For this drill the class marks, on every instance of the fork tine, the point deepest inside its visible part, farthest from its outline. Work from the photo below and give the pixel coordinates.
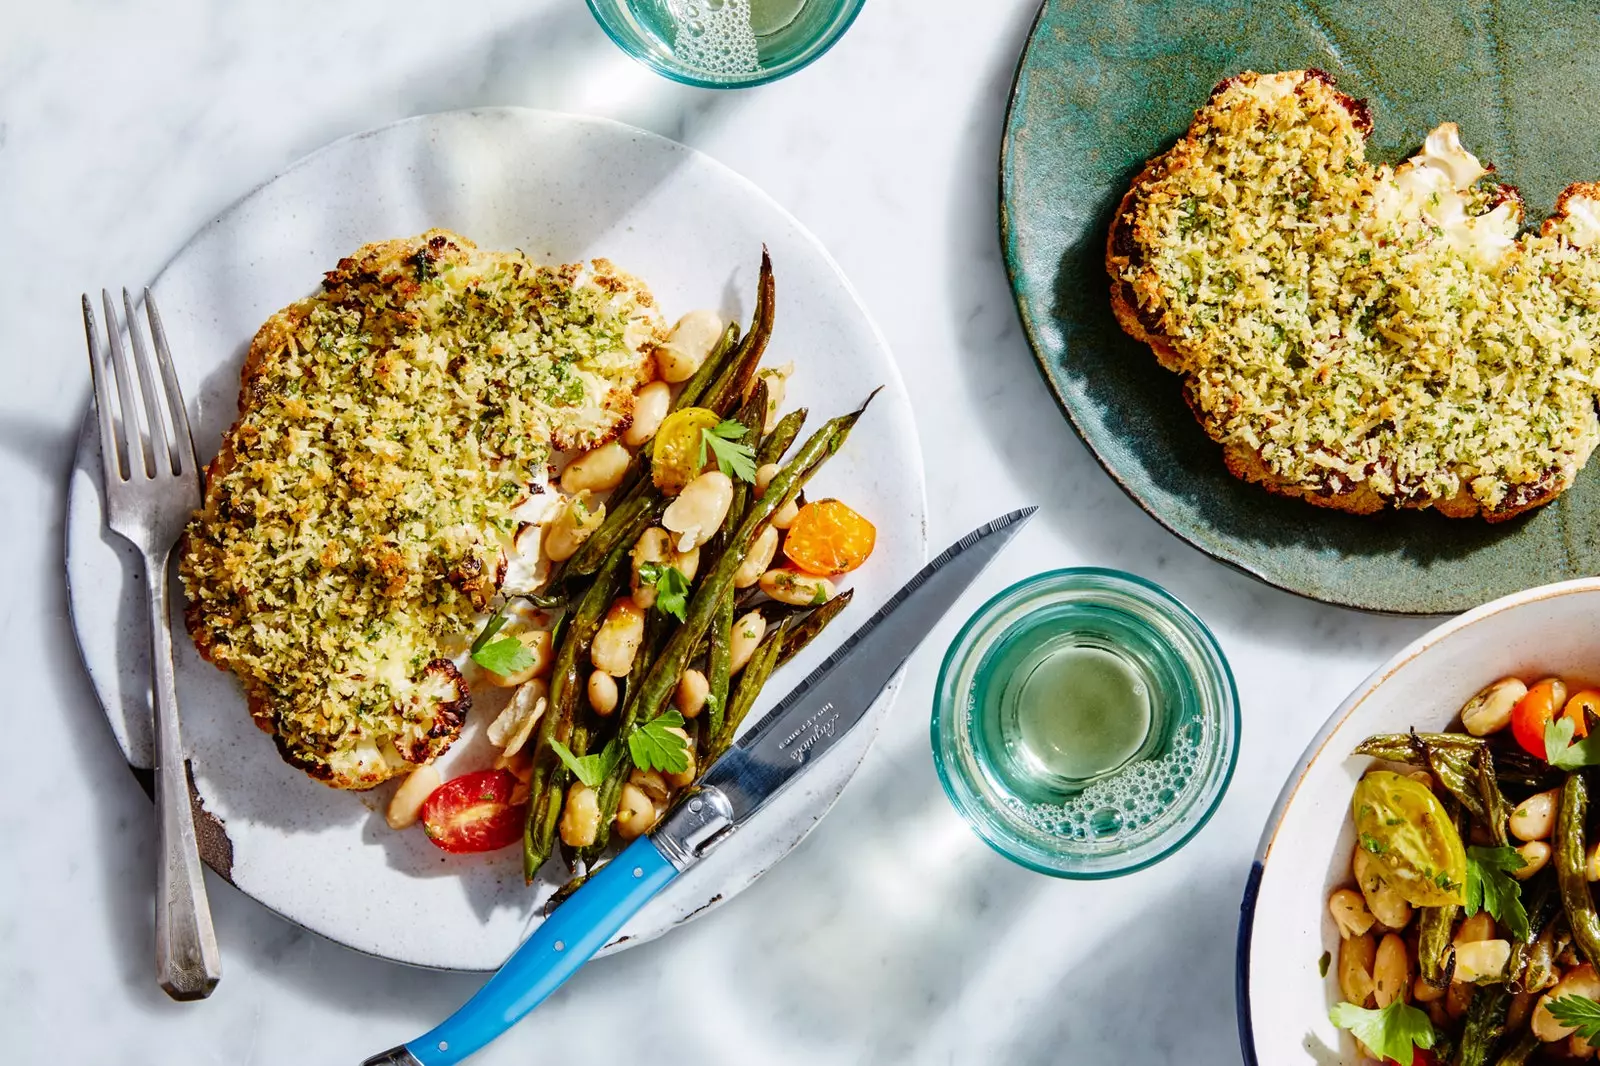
(111, 453)
(160, 453)
(130, 417)
(178, 417)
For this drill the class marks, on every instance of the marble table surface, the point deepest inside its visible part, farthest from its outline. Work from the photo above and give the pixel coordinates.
(892, 934)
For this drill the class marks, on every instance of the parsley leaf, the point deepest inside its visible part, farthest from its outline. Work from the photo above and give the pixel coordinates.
(1579, 1011)
(1391, 1033)
(672, 588)
(504, 657)
(1491, 888)
(735, 460)
(653, 748)
(1561, 751)
(590, 769)
(491, 627)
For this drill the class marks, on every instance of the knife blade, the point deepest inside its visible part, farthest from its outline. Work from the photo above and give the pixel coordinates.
(772, 754)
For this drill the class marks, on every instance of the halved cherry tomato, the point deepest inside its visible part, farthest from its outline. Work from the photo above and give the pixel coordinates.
(1419, 1057)
(828, 538)
(1534, 711)
(474, 812)
(1579, 708)
(675, 456)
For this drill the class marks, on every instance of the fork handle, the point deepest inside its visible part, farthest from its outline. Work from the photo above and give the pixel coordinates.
(188, 964)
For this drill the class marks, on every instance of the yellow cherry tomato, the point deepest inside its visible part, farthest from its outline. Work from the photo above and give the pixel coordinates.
(676, 455)
(1402, 824)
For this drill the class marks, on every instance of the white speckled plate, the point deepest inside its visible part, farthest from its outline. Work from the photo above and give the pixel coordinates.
(562, 188)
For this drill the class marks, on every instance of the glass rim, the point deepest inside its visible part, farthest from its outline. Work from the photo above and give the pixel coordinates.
(970, 801)
(842, 22)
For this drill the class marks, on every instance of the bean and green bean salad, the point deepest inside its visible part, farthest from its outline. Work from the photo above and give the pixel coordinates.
(1468, 933)
(684, 565)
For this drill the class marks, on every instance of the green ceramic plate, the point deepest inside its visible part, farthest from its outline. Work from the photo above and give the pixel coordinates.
(1103, 86)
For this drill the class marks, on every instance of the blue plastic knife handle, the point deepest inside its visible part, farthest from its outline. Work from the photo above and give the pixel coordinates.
(565, 941)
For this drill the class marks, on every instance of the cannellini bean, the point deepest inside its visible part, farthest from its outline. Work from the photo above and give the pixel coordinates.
(1579, 1048)
(406, 803)
(688, 563)
(597, 470)
(1579, 981)
(764, 475)
(649, 411)
(757, 559)
(1383, 900)
(1535, 817)
(693, 688)
(1591, 862)
(747, 633)
(617, 640)
(1457, 998)
(1535, 854)
(635, 813)
(1490, 710)
(514, 724)
(580, 816)
(602, 692)
(690, 341)
(1424, 991)
(699, 509)
(1391, 971)
(652, 784)
(570, 526)
(796, 587)
(1481, 960)
(1356, 957)
(653, 546)
(1349, 912)
(685, 777)
(1478, 927)
(784, 517)
(777, 379)
(537, 641)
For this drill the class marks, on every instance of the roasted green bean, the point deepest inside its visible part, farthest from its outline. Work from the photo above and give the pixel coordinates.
(751, 681)
(1542, 901)
(719, 663)
(729, 389)
(592, 552)
(1485, 1024)
(1510, 764)
(1519, 1053)
(774, 444)
(1569, 860)
(805, 630)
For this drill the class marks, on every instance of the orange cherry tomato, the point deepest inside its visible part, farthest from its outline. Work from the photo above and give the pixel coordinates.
(1534, 711)
(474, 812)
(827, 538)
(1579, 708)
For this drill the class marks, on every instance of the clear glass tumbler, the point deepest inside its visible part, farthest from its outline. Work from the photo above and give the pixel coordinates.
(725, 44)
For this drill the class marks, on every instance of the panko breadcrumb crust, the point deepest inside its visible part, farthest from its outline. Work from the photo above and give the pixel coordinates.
(393, 430)
(1340, 356)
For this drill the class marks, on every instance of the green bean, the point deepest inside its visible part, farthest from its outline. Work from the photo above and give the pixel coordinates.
(806, 629)
(611, 788)
(1485, 1024)
(709, 370)
(751, 681)
(563, 700)
(564, 893)
(1496, 809)
(1510, 764)
(1452, 768)
(774, 444)
(1543, 904)
(720, 665)
(1520, 1052)
(1435, 924)
(735, 378)
(1569, 859)
(593, 551)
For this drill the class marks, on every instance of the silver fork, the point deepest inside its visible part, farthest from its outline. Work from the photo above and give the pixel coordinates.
(152, 487)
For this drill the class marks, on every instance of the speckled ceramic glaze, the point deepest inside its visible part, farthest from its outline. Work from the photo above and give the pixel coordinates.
(1284, 925)
(1103, 86)
(562, 188)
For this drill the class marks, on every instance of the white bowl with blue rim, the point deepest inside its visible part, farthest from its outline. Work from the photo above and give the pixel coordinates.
(1284, 927)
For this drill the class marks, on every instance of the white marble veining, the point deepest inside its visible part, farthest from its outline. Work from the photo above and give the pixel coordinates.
(892, 934)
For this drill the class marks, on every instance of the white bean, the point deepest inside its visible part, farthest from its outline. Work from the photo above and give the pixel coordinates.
(597, 470)
(1535, 817)
(1391, 971)
(1474, 929)
(1591, 862)
(1383, 899)
(406, 804)
(747, 633)
(617, 640)
(652, 784)
(602, 692)
(764, 475)
(785, 515)
(796, 587)
(1481, 960)
(571, 525)
(649, 411)
(1490, 710)
(699, 509)
(757, 559)
(652, 548)
(685, 777)
(1535, 854)
(635, 813)
(1424, 991)
(1349, 912)
(777, 379)
(580, 816)
(693, 688)
(537, 641)
(1579, 981)
(690, 341)
(1356, 956)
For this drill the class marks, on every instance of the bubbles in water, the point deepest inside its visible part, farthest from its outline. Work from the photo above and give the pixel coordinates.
(714, 36)
(1126, 803)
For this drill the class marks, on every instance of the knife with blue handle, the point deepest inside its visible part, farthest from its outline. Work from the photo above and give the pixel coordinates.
(766, 760)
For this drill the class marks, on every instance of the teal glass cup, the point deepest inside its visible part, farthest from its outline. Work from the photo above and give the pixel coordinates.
(1164, 781)
(725, 44)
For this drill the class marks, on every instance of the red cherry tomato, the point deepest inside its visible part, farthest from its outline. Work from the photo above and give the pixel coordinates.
(474, 812)
(1419, 1057)
(1534, 711)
